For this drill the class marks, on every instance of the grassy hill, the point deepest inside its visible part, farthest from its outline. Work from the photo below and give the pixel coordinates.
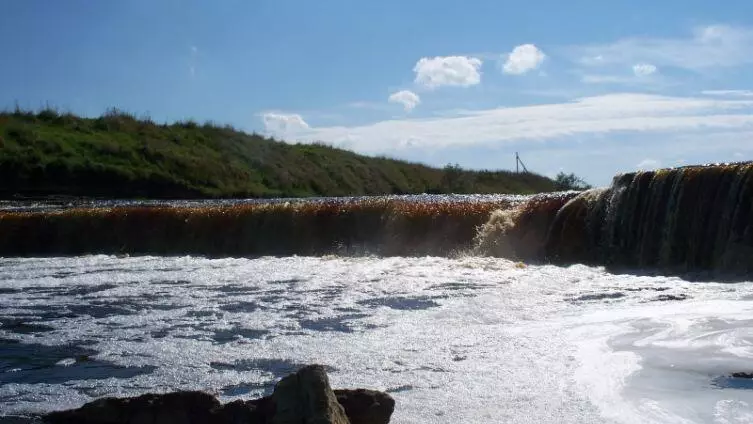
(118, 156)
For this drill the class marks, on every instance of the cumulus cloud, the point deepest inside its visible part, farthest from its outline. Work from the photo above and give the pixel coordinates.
(643, 69)
(283, 123)
(522, 59)
(624, 112)
(407, 98)
(440, 71)
(706, 47)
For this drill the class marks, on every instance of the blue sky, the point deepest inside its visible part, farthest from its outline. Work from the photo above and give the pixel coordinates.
(591, 87)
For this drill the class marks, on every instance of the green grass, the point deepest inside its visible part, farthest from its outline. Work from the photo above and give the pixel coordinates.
(119, 155)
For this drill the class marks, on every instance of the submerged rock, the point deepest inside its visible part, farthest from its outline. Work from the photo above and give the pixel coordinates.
(303, 397)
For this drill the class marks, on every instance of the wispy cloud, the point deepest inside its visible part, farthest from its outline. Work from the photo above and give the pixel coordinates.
(590, 115)
(441, 71)
(643, 69)
(607, 79)
(728, 93)
(377, 106)
(648, 164)
(193, 60)
(706, 47)
(283, 123)
(643, 75)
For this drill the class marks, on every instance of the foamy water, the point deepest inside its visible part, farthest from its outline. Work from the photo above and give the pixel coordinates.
(473, 340)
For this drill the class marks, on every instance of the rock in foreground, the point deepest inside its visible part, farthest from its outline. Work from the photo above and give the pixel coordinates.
(303, 397)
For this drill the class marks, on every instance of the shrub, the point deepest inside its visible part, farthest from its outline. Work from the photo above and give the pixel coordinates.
(570, 182)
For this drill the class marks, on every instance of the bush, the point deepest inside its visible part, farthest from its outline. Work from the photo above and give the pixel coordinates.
(570, 182)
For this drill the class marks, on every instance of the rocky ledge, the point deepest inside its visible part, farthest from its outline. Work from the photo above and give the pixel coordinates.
(303, 397)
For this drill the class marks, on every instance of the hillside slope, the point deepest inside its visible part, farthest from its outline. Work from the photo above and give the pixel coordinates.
(118, 156)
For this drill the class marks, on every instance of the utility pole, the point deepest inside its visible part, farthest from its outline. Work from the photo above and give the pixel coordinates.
(519, 163)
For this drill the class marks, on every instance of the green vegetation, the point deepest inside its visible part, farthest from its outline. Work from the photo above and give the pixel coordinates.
(570, 182)
(119, 155)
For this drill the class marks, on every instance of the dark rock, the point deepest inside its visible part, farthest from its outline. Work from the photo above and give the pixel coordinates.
(748, 375)
(667, 297)
(257, 411)
(306, 397)
(364, 406)
(171, 408)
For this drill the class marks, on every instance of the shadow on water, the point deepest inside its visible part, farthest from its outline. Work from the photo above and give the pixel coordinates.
(20, 420)
(597, 296)
(404, 303)
(233, 334)
(87, 290)
(339, 324)
(234, 289)
(35, 364)
(740, 381)
(266, 387)
(458, 286)
(242, 306)
(100, 310)
(714, 276)
(20, 325)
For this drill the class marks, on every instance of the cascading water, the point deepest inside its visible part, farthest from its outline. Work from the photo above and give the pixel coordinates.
(675, 220)
(678, 220)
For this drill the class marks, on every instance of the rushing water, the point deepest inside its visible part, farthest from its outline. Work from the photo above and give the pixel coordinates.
(465, 340)
(63, 204)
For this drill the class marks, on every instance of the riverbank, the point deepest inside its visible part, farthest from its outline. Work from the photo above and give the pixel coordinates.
(119, 155)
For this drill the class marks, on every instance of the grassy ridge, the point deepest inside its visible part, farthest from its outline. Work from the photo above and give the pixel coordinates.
(117, 155)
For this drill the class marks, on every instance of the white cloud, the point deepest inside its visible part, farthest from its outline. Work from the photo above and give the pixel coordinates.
(707, 47)
(593, 60)
(643, 69)
(282, 123)
(648, 164)
(407, 98)
(504, 125)
(711, 33)
(606, 79)
(440, 71)
(728, 93)
(523, 58)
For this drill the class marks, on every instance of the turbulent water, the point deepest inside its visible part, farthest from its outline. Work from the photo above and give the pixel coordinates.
(465, 340)
(63, 204)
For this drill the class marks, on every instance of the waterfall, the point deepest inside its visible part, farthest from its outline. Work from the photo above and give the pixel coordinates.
(687, 219)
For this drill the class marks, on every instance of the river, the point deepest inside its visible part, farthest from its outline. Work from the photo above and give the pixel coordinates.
(465, 339)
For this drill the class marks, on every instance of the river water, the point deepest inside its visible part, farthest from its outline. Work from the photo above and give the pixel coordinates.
(454, 340)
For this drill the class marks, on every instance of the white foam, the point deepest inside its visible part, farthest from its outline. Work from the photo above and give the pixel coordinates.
(455, 340)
